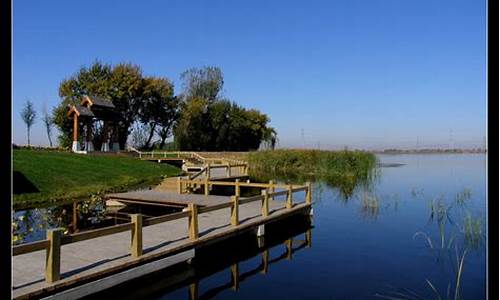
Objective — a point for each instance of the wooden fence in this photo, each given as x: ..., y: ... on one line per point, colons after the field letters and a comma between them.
x: 56, y: 239
x: 243, y: 170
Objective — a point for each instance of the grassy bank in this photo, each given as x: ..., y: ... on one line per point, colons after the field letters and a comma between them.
x: 45, y: 176
x: 341, y: 168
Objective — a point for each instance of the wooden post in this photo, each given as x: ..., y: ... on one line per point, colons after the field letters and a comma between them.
x: 208, y: 170
x: 53, y: 256
x: 75, y: 127
x: 289, y: 244
x: 207, y: 192
x: 193, y: 291
x: 228, y: 170
x: 265, y: 204
x: 265, y: 261
x: 234, y: 210
x: 289, y: 199
x: 237, y: 188
x: 235, y: 276
x: 308, y: 238
x: 271, y: 186
x: 309, y: 193
x: 179, y: 185
x: 193, y: 221
x: 136, y: 243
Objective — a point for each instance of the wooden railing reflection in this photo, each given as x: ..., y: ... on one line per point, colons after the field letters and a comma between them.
x: 291, y: 246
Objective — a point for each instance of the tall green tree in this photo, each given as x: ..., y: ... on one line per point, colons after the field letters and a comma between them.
x: 159, y: 109
x: 202, y: 83
x: 211, y: 123
x: 122, y: 84
x: 28, y: 114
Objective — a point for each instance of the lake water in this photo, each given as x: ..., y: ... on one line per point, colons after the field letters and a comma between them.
x: 409, y: 235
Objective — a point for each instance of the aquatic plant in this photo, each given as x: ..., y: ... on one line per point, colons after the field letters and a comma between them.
x: 344, y: 169
x: 416, y: 192
x: 472, y: 229
x: 407, y: 294
x: 462, y: 196
x: 370, y: 205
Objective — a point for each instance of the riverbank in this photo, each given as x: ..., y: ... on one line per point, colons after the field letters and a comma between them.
x: 41, y: 176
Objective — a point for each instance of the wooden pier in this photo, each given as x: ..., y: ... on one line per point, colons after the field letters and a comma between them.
x: 63, y: 263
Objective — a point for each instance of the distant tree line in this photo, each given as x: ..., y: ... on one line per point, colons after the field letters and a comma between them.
x: 199, y: 118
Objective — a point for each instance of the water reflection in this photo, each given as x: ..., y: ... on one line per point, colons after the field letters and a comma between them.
x: 345, y: 183
x: 458, y: 233
x: 31, y: 224
x: 224, y: 260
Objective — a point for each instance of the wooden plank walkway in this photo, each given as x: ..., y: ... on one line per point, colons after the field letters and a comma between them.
x: 168, y: 198
x: 83, y: 260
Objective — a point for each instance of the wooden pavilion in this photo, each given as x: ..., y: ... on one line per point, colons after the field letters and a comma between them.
x: 91, y: 110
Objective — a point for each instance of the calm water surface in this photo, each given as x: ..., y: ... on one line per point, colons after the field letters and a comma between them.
x: 401, y: 237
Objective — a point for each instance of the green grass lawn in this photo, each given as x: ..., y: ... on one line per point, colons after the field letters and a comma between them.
x: 46, y: 176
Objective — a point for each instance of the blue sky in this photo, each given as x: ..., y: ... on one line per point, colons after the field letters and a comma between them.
x: 364, y: 74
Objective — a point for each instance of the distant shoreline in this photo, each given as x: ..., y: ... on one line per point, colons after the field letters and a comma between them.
x: 428, y: 151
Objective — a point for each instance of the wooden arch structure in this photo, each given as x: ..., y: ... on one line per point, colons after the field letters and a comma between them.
x: 90, y: 110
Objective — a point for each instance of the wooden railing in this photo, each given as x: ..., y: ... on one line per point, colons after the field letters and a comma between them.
x: 186, y: 154
x: 243, y: 170
x: 185, y: 185
x: 56, y: 239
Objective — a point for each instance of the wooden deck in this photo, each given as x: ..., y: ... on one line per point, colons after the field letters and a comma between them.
x: 39, y: 269
x: 168, y: 198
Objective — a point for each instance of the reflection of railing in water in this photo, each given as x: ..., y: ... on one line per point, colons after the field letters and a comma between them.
x: 262, y: 268
x: 294, y: 235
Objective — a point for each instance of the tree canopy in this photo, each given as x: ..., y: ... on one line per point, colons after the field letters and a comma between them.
x: 199, y: 117
x: 209, y: 122
x: 135, y: 97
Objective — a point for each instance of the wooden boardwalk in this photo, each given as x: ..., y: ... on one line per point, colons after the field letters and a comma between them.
x: 168, y: 198
x: 59, y: 263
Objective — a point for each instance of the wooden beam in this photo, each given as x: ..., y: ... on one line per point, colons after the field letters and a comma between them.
x: 193, y: 291
x: 75, y: 128
x: 308, y: 238
x: 265, y: 261
x: 207, y: 192
x: 193, y: 221
x: 234, y: 211
x: 179, y: 185
x: 237, y: 188
x: 271, y: 186
x: 53, y: 256
x: 136, y: 243
x: 289, y: 198
x: 289, y: 244
x: 265, y: 204
x: 235, y: 276
x: 309, y: 193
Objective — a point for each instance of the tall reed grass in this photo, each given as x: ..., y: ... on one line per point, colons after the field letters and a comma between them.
x: 343, y: 168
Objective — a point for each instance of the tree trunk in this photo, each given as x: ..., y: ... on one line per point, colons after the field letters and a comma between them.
x: 163, y: 133
x: 29, y: 136
x: 151, y: 133
x: 48, y: 135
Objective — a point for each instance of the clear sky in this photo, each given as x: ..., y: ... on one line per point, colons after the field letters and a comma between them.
x: 366, y: 74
